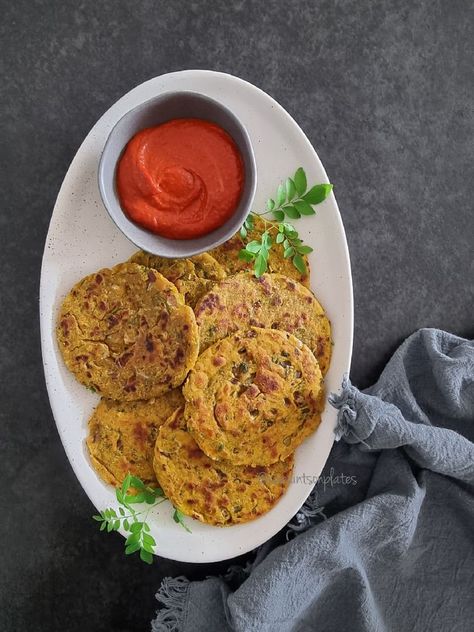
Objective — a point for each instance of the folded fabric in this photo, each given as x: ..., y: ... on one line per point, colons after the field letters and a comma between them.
x: 386, y: 539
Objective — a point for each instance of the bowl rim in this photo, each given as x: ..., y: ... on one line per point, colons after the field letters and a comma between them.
x: 194, y: 247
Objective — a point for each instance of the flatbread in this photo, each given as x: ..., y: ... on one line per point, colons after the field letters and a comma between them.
x: 126, y: 333
x: 253, y: 397
x: 215, y: 492
x: 272, y: 301
x: 193, y: 276
x: 122, y: 436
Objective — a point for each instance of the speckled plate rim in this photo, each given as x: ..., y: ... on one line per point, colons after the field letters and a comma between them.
x: 82, y: 238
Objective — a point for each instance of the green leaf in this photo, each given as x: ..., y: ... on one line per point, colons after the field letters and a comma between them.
x: 304, y: 208
x: 281, y: 228
x: 253, y: 247
x: 137, y: 482
x: 116, y: 525
x: 290, y: 231
x: 103, y: 526
x: 135, y: 498
x: 148, y: 540
x: 318, y: 193
x: 300, y: 181
x: 146, y: 527
x: 304, y: 250
x: 132, y: 548
x: 178, y: 517
x: 126, y: 524
x: 98, y: 518
x: 260, y: 265
x: 148, y: 547
x: 290, y: 189
x: 249, y: 222
x: 126, y: 483
x: 289, y: 252
x: 279, y: 238
x: 279, y: 215
x: 266, y: 240
x: 299, y: 264
x: 146, y: 556
x: 133, y: 537
x: 245, y: 255
x: 243, y: 232
x: 292, y: 212
x: 113, y: 513
x: 107, y: 514
x: 119, y: 495
x: 121, y: 511
x: 136, y: 527
x: 110, y: 527
x: 270, y: 204
x: 281, y: 195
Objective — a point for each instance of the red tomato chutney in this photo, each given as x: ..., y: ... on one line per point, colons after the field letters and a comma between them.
x: 181, y: 179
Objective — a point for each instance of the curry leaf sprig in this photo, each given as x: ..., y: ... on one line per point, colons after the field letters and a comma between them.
x: 127, y: 517
x: 292, y: 201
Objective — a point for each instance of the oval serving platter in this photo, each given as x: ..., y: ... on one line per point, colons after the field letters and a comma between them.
x: 82, y: 239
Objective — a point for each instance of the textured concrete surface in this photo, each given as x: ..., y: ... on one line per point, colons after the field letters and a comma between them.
x: 384, y: 91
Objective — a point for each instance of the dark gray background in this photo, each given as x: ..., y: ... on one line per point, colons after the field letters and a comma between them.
x: 384, y: 90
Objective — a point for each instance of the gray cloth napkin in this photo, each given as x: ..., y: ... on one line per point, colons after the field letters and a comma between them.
x: 386, y: 539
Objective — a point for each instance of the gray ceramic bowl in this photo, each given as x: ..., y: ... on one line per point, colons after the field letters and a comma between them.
x: 158, y: 110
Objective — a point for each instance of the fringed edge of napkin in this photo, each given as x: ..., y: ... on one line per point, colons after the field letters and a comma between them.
x: 172, y: 595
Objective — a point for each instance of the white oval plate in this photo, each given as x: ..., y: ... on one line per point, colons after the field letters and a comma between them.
x: 82, y: 239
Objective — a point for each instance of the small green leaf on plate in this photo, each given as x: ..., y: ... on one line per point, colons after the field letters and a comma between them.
x: 292, y: 212
x: 146, y: 556
x: 300, y: 181
x: 290, y: 189
x: 266, y: 240
x: 133, y: 537
x: 131, y: 548
x: 148, y: 539
x: 126, y: 483
x: 253, y: 247
x: 299, y: 264
x: 304, y: 208
x: 304, y: 250
x: 318, y: 193
x: 281, y: 195
x: 245, y: 255
x: 137, y: 482
x: 260, y: 265
x: 249, y: 222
